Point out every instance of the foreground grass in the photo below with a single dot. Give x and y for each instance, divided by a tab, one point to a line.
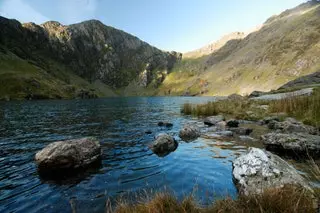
305	108
289	199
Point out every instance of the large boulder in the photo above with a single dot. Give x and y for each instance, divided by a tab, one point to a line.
69	154
189	132
300	144
164	144
291	125
258	170
212	120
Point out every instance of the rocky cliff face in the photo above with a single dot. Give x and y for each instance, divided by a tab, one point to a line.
90	49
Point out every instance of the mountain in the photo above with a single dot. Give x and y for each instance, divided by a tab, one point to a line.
87	59
208	49
286	47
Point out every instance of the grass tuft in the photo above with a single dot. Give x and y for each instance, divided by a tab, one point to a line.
305	108
289	199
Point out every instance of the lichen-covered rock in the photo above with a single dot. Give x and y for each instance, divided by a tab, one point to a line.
189	132
295	143
212	120
258	170
69	154
163	144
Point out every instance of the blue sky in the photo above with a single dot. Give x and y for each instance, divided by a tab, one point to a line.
180	25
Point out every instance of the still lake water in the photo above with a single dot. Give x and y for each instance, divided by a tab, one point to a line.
202	167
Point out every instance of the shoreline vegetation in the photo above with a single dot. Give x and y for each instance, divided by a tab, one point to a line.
290	198
304	108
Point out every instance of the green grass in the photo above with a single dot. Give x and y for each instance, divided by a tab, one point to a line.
305	108
239	109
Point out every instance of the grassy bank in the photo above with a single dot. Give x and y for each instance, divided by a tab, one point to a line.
242	108
289	199
304	108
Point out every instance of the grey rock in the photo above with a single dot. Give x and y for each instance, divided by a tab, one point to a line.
291	125
258	170
246	138
212	120
164	144
69	154
225	133
221	126
232	123
189	132
241	130
267	120
295	143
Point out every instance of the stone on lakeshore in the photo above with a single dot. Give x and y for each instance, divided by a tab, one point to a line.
258	170
233	123
241	130
69	154
189	132
213	120
300	144
163	144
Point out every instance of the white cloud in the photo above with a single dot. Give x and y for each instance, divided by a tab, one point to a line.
21	11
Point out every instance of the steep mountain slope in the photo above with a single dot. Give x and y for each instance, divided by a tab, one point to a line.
85	59
208	49
285	48
311	79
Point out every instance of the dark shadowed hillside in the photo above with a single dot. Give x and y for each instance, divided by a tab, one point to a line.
86	59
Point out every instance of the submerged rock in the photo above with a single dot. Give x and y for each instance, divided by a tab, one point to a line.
212	120
189	132
295	143
164	144
166	124
69	154
258	170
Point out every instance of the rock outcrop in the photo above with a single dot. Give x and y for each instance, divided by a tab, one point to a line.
189	132
297	144
291	125
90	49
69	154
258	170
163	144
212	120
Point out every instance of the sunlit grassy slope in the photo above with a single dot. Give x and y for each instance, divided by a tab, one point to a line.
286	47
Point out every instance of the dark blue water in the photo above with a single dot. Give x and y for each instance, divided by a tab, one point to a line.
202	167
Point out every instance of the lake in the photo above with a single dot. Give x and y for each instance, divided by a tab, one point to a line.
202	167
